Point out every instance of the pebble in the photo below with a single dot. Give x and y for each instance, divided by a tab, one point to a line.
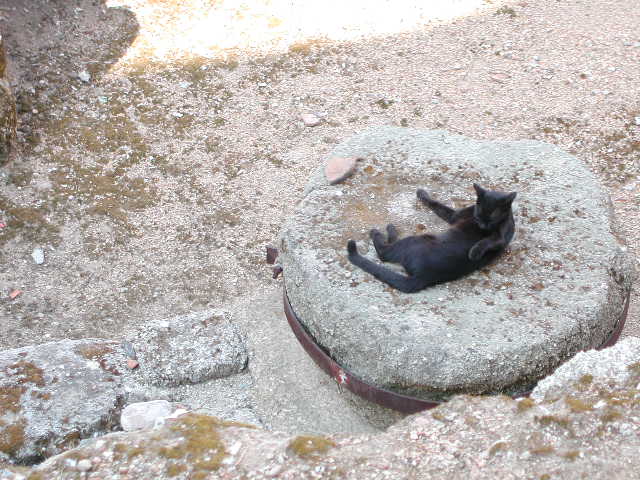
132	363
84	465
310	120
637	120
38	255
84	76
138	416
338	169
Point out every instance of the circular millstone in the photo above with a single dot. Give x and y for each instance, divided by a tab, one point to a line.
560	288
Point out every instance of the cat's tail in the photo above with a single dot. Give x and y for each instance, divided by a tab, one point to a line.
396	280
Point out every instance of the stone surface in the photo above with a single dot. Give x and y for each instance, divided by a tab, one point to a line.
589	429
54	394
560	288
138	416
338	169
188	349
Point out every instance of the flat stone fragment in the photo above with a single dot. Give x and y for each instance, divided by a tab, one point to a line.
338	169
188	349
559	289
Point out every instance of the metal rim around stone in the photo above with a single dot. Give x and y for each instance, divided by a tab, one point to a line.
381	396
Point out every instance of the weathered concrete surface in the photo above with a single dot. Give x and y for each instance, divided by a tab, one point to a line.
589	428
55	394
560	289
191	348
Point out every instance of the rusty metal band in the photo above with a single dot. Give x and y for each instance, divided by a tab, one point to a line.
381	396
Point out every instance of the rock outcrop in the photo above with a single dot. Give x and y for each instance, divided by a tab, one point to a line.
576	425
55	394
559	289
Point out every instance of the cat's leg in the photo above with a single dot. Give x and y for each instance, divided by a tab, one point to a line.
380	243
394	279
494	242
391	250
447	214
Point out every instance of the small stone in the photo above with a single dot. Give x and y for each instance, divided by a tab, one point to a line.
637	120
129	350
138	416
132	363
84	76
14	294
38	255
500	77
84	465
272	254
338	169
310	120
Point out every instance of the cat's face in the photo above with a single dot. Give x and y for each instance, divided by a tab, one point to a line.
492	208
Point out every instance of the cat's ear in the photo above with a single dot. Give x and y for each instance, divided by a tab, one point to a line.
479	190
509	198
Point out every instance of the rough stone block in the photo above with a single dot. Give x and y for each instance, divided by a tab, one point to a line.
189	349
55	394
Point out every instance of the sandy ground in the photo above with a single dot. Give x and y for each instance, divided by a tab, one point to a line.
161	152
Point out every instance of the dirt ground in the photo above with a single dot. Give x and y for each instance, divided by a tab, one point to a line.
156	163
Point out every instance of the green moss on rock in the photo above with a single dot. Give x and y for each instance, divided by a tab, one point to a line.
11	437
200	446
525	404
578	405
308	445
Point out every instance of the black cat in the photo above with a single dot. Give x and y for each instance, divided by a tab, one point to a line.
479	233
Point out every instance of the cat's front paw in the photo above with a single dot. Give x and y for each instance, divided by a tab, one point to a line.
352	249
475	253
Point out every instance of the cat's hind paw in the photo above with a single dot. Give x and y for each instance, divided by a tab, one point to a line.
374	232
352	249
423	195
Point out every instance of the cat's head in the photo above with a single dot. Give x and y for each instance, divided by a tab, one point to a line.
492	208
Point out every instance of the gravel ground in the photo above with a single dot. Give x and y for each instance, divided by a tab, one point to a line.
158	160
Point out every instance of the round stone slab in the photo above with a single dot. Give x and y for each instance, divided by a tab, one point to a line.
560	288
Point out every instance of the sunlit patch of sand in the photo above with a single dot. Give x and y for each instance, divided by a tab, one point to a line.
171	29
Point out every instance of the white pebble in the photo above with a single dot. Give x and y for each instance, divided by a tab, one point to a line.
84	465
310	120
84	76
38	255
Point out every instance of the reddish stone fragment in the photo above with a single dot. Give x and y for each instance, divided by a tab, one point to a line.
132	364
338	169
